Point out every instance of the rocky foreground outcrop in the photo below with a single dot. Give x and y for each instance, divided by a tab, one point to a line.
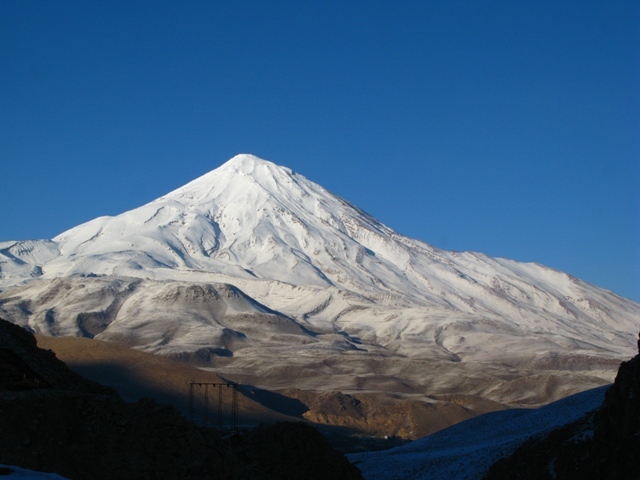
604	444
52	419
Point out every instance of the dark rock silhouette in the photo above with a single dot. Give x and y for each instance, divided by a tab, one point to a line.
52	419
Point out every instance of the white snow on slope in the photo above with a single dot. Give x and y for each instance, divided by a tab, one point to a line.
22	260
466	451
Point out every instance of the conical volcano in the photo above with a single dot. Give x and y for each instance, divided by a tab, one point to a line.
253	219
258	271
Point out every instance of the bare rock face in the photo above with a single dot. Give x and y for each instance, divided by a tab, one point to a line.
51	419
604	444
380	415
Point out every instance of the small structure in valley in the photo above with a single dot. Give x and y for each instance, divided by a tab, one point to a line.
225	398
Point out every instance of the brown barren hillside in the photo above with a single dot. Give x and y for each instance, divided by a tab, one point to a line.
377	405
136	375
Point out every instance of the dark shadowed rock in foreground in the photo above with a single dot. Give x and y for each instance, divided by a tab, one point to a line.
604	444
52	419
271	448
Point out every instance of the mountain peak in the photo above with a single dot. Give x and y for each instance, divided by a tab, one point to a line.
243	161
246	163
233	173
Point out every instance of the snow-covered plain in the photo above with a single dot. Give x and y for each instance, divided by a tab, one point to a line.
466	451
273	280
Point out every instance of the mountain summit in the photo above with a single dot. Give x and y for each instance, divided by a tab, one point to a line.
253	260
248	218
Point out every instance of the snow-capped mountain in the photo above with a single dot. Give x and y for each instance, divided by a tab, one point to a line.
253	260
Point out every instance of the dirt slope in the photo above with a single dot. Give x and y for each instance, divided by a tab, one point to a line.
136	375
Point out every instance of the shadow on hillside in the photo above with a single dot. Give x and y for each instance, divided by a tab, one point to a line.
133	386
264	406
274	401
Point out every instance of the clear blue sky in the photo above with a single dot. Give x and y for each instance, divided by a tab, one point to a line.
510	128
